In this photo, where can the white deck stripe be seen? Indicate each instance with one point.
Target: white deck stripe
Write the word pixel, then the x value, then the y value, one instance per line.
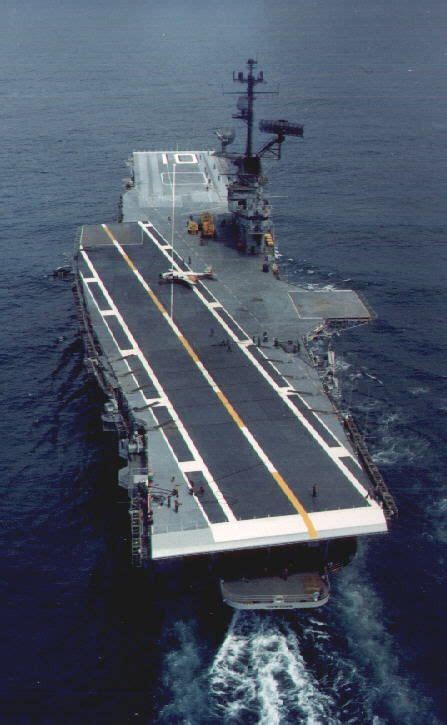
pixel 341 452
pixel 161 401
pixel 195 453
pixel 190 466
pixel 332 452
pixel 247 434
pixel 194 466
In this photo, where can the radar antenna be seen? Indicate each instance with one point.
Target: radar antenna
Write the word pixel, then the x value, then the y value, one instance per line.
pixel 251 162
pixel 281 129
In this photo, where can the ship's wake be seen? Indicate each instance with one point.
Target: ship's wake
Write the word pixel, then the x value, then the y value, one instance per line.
pixel 340 664
pixel 337 665
pixel 259 675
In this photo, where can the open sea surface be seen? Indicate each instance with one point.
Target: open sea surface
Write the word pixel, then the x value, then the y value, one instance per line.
pixel 362 202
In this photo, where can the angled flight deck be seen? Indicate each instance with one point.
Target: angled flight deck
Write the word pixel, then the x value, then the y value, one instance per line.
pixel 227 422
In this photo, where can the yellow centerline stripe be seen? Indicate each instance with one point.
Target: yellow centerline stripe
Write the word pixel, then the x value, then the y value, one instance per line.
pixel 128 259
pixel 108 232
pixel 157 302
pixel 188 348
pixel 297 505
pixel 226 403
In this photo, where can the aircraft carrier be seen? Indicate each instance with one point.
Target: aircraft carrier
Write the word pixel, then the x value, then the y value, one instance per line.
pixel 220 376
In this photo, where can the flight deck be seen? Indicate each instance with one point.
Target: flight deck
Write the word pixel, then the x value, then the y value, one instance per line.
pixel 255 463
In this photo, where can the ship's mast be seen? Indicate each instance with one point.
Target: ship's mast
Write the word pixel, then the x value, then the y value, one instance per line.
pixel 245 104
pixel 245 112
pixel 250 163
pixel 246 201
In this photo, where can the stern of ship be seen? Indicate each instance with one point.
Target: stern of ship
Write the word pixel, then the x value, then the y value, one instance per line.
pixel 297 591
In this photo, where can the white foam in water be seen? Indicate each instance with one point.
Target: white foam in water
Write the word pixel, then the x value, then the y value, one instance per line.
pixel 312 670
pixel 393 446
pixel 341 364
pixel 184 679
pixel 372 377
pixel 329 671
pixel 381 683
pixel 419 390
pixel 394 442
pixel 439 518
pixel 259 675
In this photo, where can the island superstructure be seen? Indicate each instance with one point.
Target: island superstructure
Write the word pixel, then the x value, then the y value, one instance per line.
pixel 219 376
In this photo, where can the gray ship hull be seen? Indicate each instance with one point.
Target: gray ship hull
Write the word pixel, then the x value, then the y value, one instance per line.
pixel 233 445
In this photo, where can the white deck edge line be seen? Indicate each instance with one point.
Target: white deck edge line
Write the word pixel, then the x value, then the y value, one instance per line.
pixel 195 453
pixel 282 392
pixel 163 402
pixel 200 366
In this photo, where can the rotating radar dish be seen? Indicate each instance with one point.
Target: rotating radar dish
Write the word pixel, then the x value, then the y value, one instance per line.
pixel 281 127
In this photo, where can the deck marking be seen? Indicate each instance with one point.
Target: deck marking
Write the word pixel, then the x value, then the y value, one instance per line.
pixel 341 452
pixel 282 392
pixel 165 403
pixel 184 467
pixel 190 466
pixel 299 508
pixel 189 157
pixel 297 503
pixel 227 405
pixel 184 433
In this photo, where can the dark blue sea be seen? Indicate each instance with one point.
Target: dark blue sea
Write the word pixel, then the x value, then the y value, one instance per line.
pixel 360 202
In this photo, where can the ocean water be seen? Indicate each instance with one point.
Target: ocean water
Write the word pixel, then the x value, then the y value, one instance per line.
pixel 359 202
